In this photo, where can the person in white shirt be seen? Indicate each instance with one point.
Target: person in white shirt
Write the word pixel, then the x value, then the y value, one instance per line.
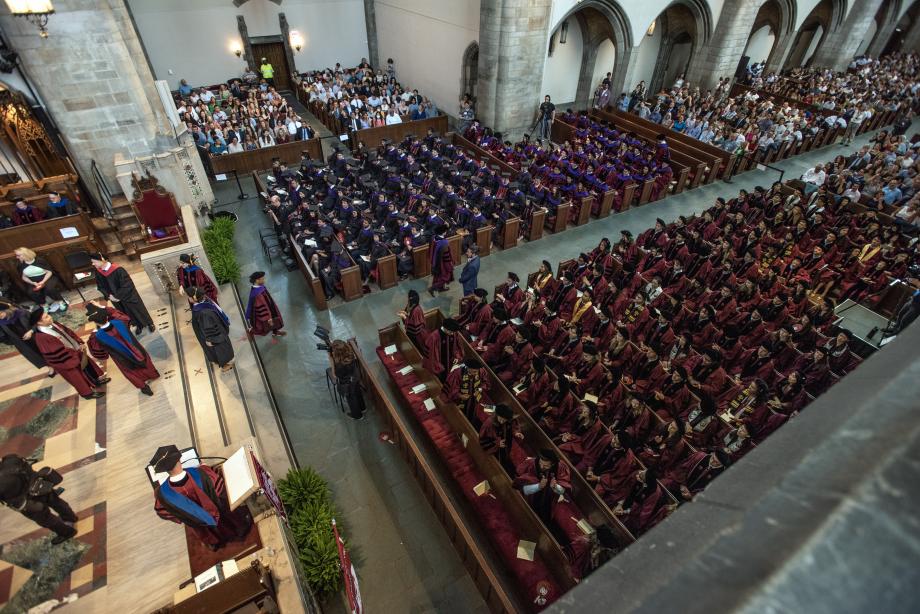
pixel 206 96
pixel 814 178
pixel 393 118
pixel 855 122
pixel 234 146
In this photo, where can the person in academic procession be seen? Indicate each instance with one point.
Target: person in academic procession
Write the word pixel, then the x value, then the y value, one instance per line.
pixel 190 275
pixel 66 353
pixel 116 285
pixel 212 328
pixel 262 313
pixel 197 498
pixel 14 325
pixel 442 263
pixel 113 339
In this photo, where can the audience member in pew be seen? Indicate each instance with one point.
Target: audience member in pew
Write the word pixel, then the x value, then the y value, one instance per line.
pixel 496 437
pixel 262 313
pixel 116 285
pixel 465 387
pixel 413 317
pixel 59 206
pixel 543 480
pixel 212 328
pixel 41 282
pixel 66 353
pixel 14 326
pixel 24 213
pixel 189 275
pixel 442 349
pixel 646 504
pixel 113 339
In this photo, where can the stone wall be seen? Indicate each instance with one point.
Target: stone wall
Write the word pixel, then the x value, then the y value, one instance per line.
pixel 95 80
pixel 840 44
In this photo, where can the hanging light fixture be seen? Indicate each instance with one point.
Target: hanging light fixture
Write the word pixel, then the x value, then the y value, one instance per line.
pixel 35 11
pixel 564 32
pixel 651 28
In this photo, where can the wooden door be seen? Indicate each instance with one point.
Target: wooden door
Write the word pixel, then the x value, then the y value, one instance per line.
pixel 274 52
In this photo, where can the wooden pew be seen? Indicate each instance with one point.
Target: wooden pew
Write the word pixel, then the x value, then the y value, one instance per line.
pixel 509 235
pixel 646 194
pixel 314 284
pixel 485 569
pixel 371 137
pixel 561 220
pixel 481 154
pixel 46 238
pixel 584 210
pixel 716 159
pixel 512 500
pixel 606 204
pixel 421 261
pixel 537 221
pixel 261 159
pixel 386 271
pixel 454 242
pixel 352 286
pixel 483 240
pixel 596 511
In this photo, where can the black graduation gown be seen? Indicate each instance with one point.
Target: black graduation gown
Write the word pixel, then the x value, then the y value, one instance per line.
pixel 120 285
pixel 11 332
pixel 209 326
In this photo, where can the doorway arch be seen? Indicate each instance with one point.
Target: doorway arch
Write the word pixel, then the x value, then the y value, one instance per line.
pixel 469 71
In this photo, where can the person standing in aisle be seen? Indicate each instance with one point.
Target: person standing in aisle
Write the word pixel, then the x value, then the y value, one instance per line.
pixel 66 353
pixel 262 313
pixel 113 339
pixel 212 328
pixel 470 273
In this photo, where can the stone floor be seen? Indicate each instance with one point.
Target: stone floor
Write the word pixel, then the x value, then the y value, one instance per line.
pixel 405 562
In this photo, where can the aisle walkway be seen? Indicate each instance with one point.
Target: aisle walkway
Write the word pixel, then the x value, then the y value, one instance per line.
pixel 405 563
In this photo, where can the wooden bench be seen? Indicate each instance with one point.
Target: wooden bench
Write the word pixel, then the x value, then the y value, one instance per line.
pixel 261 159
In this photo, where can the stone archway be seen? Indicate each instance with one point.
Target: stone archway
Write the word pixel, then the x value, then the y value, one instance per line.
pixel 778 16
pixel 600 22
pixel 886 20
pixel 469 71
pixel 825 17
pixel 685 28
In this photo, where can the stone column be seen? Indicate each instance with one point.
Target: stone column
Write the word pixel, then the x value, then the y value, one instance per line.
pixel 370 24
pixel 513 35
pixel 912 38
pixel 719 58
pixel 92 74
pixel 841 43
pixel 781 48
pixel 286 41
pixel 248 55
pixel 585 92
pixel 881 39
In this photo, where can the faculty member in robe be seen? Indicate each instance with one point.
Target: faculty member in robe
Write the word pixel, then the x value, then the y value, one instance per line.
pixel 190 275
pixel 442 263
pixel 262 313
pixel 116 285
pixel 443 349
pixel 197 498
pixel 497 436
pixel 113 339
pixel 413 317
pixel 14 326
pixel 543 480
pixel 212 328
pixel 66 353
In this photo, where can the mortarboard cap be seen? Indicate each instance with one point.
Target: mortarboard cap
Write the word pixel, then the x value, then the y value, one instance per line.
pixel 165 458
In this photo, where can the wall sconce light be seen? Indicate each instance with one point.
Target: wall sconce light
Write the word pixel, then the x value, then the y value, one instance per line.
pixel 296 41
pixel 35 11
pixel 564 32
pixel 236 48
pixel 651 28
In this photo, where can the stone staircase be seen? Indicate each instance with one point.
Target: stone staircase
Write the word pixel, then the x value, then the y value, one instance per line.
pixel 122 232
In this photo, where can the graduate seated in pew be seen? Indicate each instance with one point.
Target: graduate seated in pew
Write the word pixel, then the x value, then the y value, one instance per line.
pixel 543 480
pixel 497 435
pixel 466 385
pixel 645 505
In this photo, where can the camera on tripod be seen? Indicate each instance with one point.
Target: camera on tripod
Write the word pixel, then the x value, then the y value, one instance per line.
pixel 323 335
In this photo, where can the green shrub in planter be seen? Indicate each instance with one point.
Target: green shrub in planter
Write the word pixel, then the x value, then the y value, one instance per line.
pixel 217 240
pixel 308 501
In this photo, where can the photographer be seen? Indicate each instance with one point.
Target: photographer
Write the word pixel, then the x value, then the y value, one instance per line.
pixel 547 115
pixel 33 495
pixel 345 372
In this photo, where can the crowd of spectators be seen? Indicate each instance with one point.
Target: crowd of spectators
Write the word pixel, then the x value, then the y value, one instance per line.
pixel 363 98
pixel 749 122
pixel 245 114
pixel 656 362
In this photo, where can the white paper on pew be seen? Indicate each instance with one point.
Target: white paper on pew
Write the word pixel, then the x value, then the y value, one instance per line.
pixel 419 388
pixel 578 293
pixel 220 177
pixel 464 439
pixel 343 137
pixel 69 232
pixel 590 397
pixel 517 321
pixel 390 349
pixel 405 370
pixel 597 311
pixel 456 366
pixel 761 167
pixel 309 243
pixel 281 192
pixel 429 404
pixel 473 337
pixel 517 389
pixel 365 259
pixel 489 409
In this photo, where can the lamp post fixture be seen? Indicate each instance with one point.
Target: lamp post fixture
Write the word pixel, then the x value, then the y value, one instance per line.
pixel 36 12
